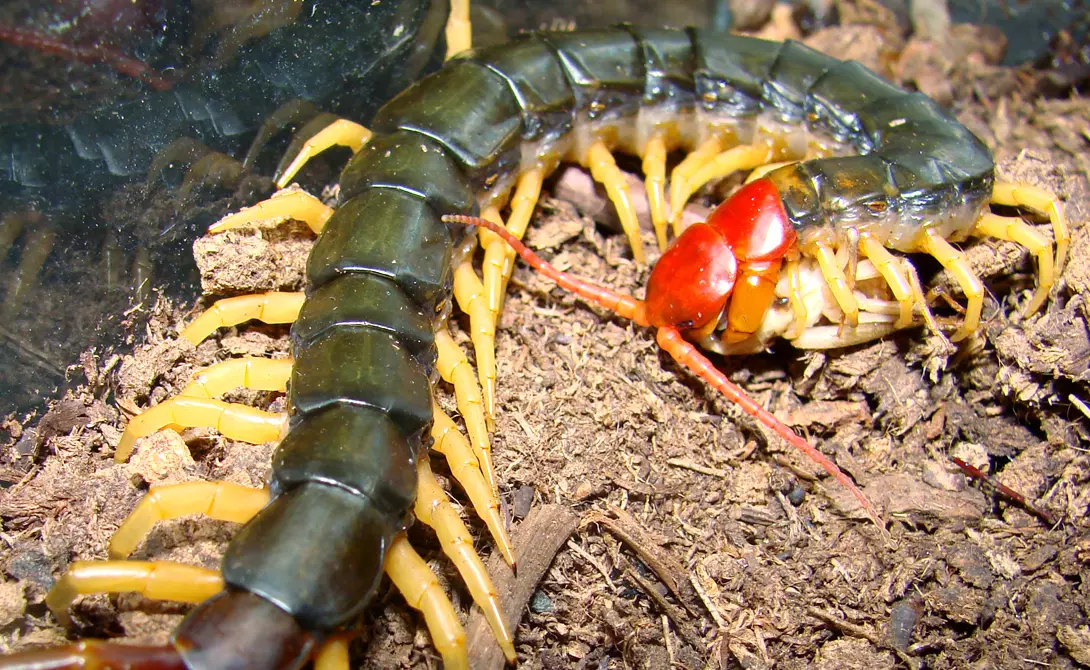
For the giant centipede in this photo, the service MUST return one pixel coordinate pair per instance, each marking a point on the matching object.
(848, 167)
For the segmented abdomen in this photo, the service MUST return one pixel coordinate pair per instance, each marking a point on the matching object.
(379, 276)
(345, 476)
(548, 97)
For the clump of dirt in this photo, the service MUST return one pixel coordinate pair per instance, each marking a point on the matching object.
(703, 541)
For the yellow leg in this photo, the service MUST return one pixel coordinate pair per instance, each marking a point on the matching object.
(411, 575)
(722, 165)
(762, 170)
(890, 269)
(1018, 195)
(919, 298)
(225, 501)
(954, 261)
(605, 171)
(212, 169)
(434, 510)
(272, 307)
(838, 282)
(235, 25)
(113, 259)
(333, 654)
(499, 258)
(459, 30)
(11, 226)
(684, 171)
(235, 421)
(340, 132)
(450, 442)
(832, 337)
(470, 294)
(492, 265)
(252, 372)
(222, 501)
(291, 112)
(455, 369)
(195, 405)
(289, 204)
(1017, 230)
(272, 375)
(161, 580)
(795, 297)
(654, 170)
(181, 150)
(38, 247)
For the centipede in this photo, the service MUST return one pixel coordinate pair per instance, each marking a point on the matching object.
(848, 174)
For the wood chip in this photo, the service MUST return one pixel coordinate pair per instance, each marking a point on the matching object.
(536, 541)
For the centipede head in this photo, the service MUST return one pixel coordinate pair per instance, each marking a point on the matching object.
(690, 285)
(734, 257)
(694, 278)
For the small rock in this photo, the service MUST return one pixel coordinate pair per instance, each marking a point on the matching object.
(577, 650)
(110, 434)
(973, 454)
(944, 478)
(902, 622)
(26, 444)
(971, 564)
(924, 64)
(654, 657)
(867, 44)
(1000, 559)
(584, 490)
(541, 603)
(906, 496)
(552, 659)
(523, 500)
(273, 259)
(746, 658)
(161, 457)
(66, 416)
(28, 562)
(750, 15)
(931, 19)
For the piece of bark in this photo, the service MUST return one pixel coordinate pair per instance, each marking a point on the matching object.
(536, 541)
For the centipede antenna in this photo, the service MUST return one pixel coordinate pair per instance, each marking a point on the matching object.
(690, 357)
(619, 303)
(1004, 491)
(683, 352)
